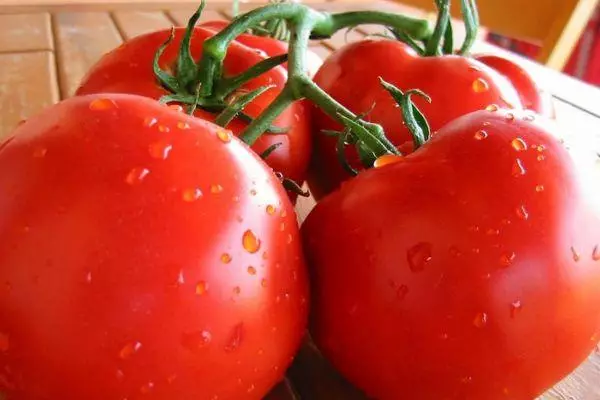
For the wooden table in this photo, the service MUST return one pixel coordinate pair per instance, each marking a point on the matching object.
(45, 52)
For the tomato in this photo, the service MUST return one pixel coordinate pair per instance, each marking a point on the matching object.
(128, 69)
(532, 96)
(469, 269)
(271, 47)
(457, 85)
(145, 254)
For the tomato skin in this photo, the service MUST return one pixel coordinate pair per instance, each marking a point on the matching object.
(532, 96)
(351, 76)
(124, 269)
(128, 69)
(467, 270)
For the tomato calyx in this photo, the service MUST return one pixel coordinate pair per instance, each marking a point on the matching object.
(276, 28)
(183, 84)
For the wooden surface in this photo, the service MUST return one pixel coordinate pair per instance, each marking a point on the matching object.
(44, 55)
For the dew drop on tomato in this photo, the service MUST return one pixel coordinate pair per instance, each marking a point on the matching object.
(224, 135)
(575, 254)
(480, 320)
(250, 241)
(216, 188)
(191, 194)
(480, 134)
(519, 144)
(201, 288)
(271, 209)
(163, 129)
(237, 290)
(418, 256)
(88, 277)
(235, 338)
(515, 307)
(175, 107)
(263, 282)
(251, 270)
(541, 157)
(506, 259)
(120, 375)
(596, 253)
(539, 188)
(196, 340)
(386, 160)
(510, 117)
(225, 258)
(136, 175)
(147, 387)
(183, 125)
(518, 169)
(480, 85)
(522, 212)
(102, 104)
(492, 108)
(129, 350)
(150, 122)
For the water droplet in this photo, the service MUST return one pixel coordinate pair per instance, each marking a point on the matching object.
(467, 379)
(251, 270)
(251, 388)
(163, 129)
(271, 209)
(401, 292)
(224, 135)
(196, 340)
(541, 148)
(386, 159)
(4, 342)
(129, 350)
(575, 254)
(180, 278)
(263, 283)
(253, 192)
(486, 123)
(216, 188)
(529, 117)
(160, 150)
(102, 104)
(492, 232)
(515, 307)
(480, 134)
(283, 213)
(225, 258)
(137, 175)
(539, 188)
(250, 241)
(510, 117)
(264, 255)
(191, 194)
(282, 226)
(454, 251)
(418, 255)
(596, 253)
(175, 107)
(237, 290)
(150, 121)
(492, 108)
(480, 85)
(146, 388)
(522, 212)
(183, 125)
(518, 169)
(120, 375)
(40, 152)
(519, 144)
(480, 320)
(506, 259)
(201, 288)
(290, 238)
(88, 277)
(541, 157)
(235, 338)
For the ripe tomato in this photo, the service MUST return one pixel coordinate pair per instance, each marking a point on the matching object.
(470, 269)
(128, 69)
(457, 85)
(143, 254)
(532, 96)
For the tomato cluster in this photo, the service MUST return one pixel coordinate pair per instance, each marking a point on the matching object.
(149, 253)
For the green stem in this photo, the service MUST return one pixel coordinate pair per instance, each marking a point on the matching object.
(433, 44)
(471, 19)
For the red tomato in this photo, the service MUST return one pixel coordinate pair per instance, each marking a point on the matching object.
(144, 254)
(468, 270)
(457, 85)
(128, 69)
(532, 96)
(271, 47)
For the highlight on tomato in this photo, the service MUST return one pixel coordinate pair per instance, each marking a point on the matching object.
(144, 253)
